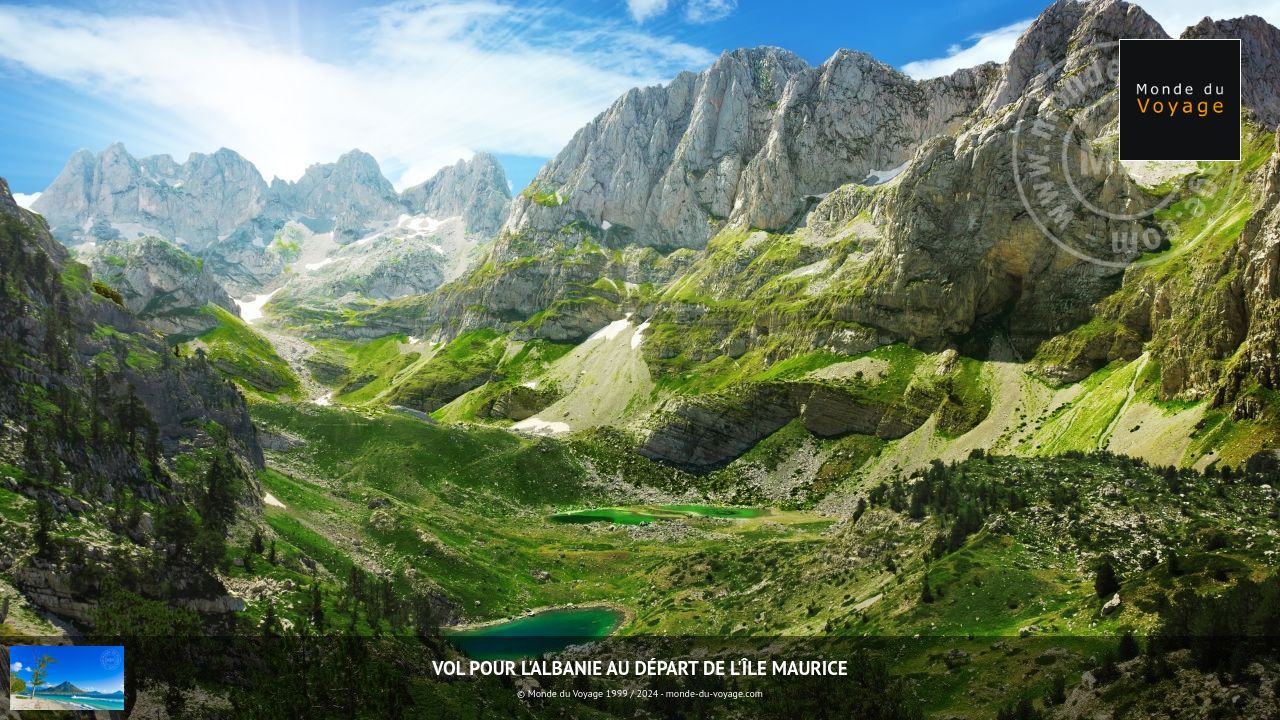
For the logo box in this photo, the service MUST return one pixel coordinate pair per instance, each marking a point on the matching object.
(1180, 99)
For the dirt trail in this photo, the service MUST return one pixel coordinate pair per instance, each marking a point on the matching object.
(1105, 438)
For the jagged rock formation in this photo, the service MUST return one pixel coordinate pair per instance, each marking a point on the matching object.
(1259, 62)
(196, 204)
(219, 208)
(160, 283)
(744, 142)
(346, 196)
(475, 190)
(752, 141)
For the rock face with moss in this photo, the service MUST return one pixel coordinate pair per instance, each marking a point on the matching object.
(750, 141)
(98, 412)
(746, 141)
(68, 328)
(160, 283)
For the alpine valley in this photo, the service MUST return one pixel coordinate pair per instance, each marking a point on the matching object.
(771, 351)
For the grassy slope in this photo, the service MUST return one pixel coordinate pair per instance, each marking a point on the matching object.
(469, 508)
(247, 358)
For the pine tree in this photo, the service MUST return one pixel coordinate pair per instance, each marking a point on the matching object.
(270, 623)
(926, 595)
(1105, 583)
(44, 528)
(317, 608)
(175, 528)
(218, 505)
(271, 553)
(1128, 649)
(1057, 692)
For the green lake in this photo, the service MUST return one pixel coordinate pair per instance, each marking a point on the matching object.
(652, 513)
(533, 635)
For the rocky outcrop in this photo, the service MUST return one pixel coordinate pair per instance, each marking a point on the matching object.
(702, 433)
(521, 402)
(1259, 62)
(475, 190)
(752, 141)
(160, 283)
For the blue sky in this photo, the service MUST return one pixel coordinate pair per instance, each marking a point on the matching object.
(420, 84)
(83, 666)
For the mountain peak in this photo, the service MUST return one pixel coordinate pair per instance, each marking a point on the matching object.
(1259, 61)
(1064, 28)
(62, 688)
(475, 189)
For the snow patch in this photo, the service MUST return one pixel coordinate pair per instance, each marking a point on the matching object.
(24, 199)
(606, 225)
(880, 177)
(538, 426)
(318, 265)
(413, 340)
(610, 331)
(638, 336)
(532, 384)
(251, 310)
(271, 500)
(409, 224)
(324, 400)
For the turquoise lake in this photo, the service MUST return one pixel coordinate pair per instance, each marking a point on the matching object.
(545, 632)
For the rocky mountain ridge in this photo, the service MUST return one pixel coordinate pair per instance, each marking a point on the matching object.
(219, 207)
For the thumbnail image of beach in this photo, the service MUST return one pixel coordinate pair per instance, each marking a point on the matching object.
(66, 677)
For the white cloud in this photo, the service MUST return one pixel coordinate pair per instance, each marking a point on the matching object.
(707, 11)
(16, 667)
(1173, 15)
(25, 200)
(989, 46)
(1176, 15)
(425, 83)
(642, 10)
